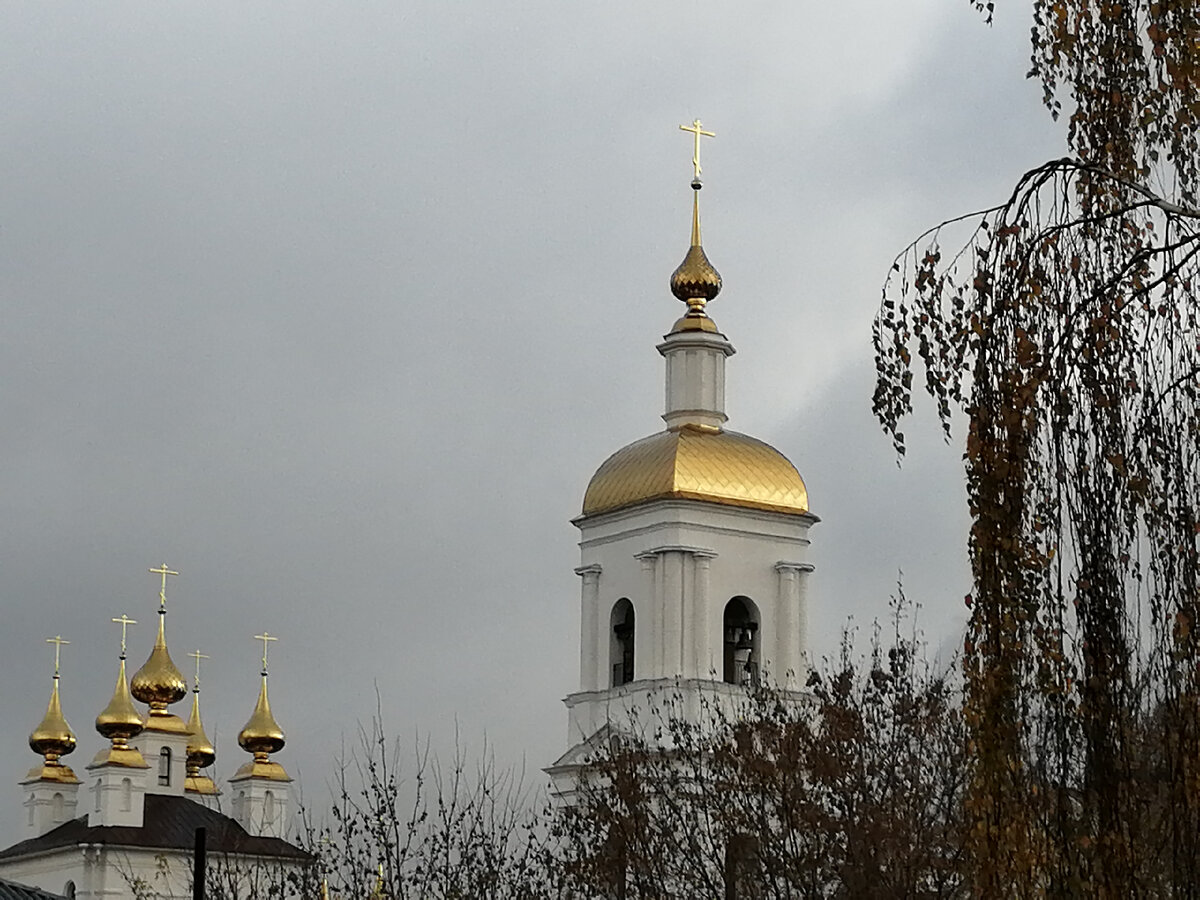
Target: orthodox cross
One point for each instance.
(125, 622)
(266, 639)
(197, 656)
(695, 129)
(162, 592)
(57, 641)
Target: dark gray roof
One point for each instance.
(10, 890)
(169, 823)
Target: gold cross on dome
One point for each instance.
(695, 129)
(124, 622)
(162, 592)
(266, 639)
(197, 656)
(58, 642)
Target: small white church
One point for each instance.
(694, 547)
(129, 824)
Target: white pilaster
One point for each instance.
(687, 617)
(804, 661)
(701, 624)
(672, 593)
(790, 663)
(594, 637)
(646, 608)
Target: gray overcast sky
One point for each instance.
(336, 307)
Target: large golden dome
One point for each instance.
(699, 464)
(158, 682)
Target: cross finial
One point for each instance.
(197, 656)
(696, 130)
(125, 622)
(58, 642)
(162, 591)
(266, 639)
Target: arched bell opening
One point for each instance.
(741, 638)
(621, 630)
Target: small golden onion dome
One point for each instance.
(695, 282)
(262, 735)
(119, 721)
(200, 753)
(158, 683)
(53, 739)
(698, 464)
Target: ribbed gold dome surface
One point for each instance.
(695, 281)
(159, 682)
(695, 278)
(717, 466)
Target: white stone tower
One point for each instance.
(693, 544)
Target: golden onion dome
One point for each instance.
(200, 751)
(698, 464)
(695, 281)
(119, 721)
(53, 737)
(158, 682)
(262, 734)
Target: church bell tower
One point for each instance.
(693, 543)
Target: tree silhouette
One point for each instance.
(1063, 328)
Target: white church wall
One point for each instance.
(47, 805)
(111, 872)
(679, 563)
(117, 795)
(53, 872)
(168, 778)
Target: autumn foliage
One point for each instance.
(1061, 333)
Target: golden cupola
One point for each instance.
(120, 720)
(159, 683)
(697, 458)
(53, 737)
(695, 281)
(200, 751)
(261, 735)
